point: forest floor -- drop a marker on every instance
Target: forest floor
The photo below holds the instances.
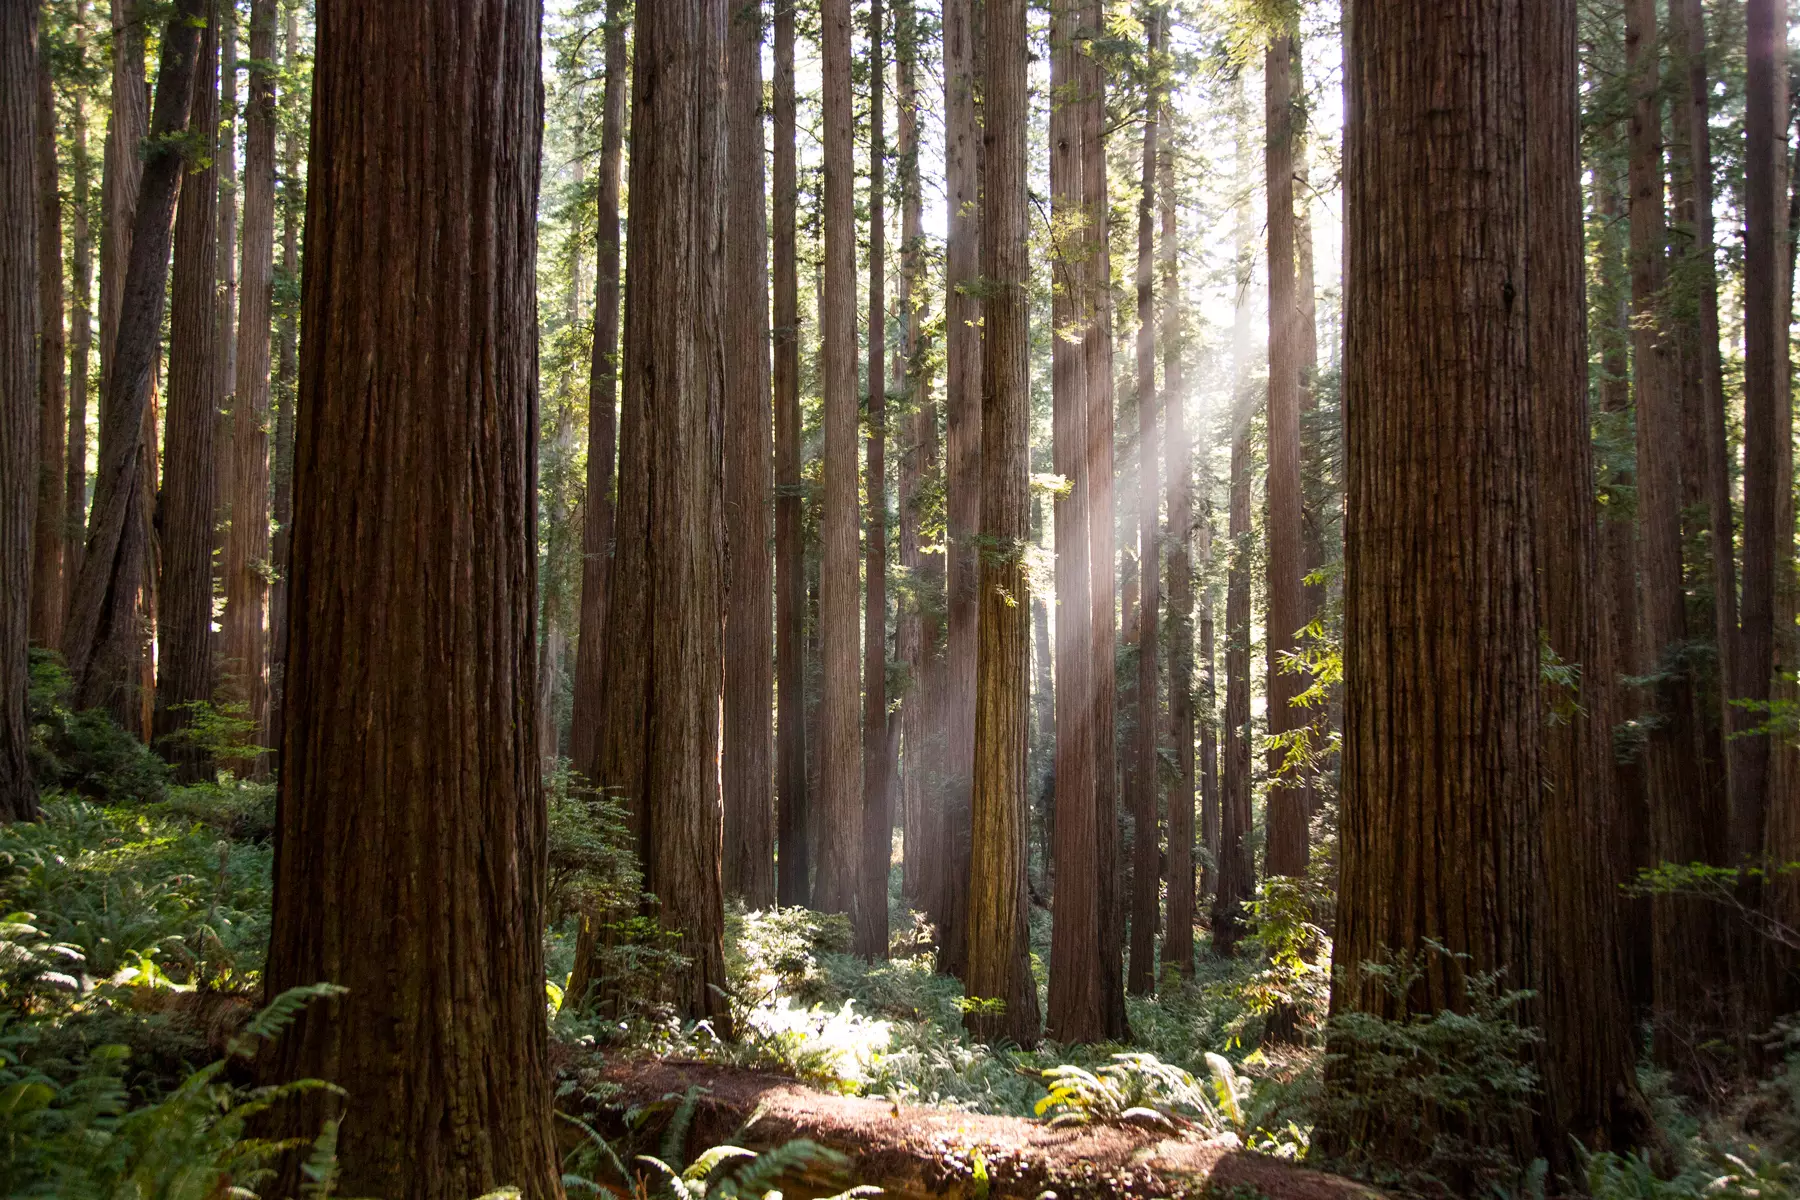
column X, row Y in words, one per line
column 915, row 1151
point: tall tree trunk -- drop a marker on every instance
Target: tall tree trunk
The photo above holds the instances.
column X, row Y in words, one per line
column 1097, row 350
column 794, row 865
column 184, row 657
column 840, row 758
column 1287, row 833
column 660, row 707
column 246, row 647
column 48, row 593
column 226, row 306
column 1178, row 940
column 81, row 323
column 1077, row 1002
column 1688, row 966
column 103, row 639
column 999, row 966
column 1766, row 557
column 603, row 389
column 287, row 382
column 1442, row 720
column 19, row 334
column 962, row 402
column 1237, row 869
column 419, row 403
column 878, row 730
column 1210, row 809
column 1146, row 843
column 1589, row 1061
column 749, row 475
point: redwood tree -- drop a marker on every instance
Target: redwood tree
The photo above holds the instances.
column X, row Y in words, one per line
column 603, row 390
column 749, row 467
column 48, row 598
column 840, row 758
column 184, row 660
column 409, row 860
column 18, row 393
column 659, row 716
column 999, row 966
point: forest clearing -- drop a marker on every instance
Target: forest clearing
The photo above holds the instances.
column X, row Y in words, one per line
column 977, row 598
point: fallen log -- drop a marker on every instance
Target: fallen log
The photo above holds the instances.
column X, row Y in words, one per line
column 913, row 1152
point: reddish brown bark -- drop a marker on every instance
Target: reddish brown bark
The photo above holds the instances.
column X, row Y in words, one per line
column 104, row 636
column 19, row 333
column 245, row 650
column 1146, row 839
column 48, row 592
column 603, row 374
column 840, row 750
column 749, row 467
column 999, row 966
column 419, row 402
column 281, row 457
column 880, row 732
column 794, row 866
column 81, row 323
column 184, row 659
column 659, row 714
column 962, row 405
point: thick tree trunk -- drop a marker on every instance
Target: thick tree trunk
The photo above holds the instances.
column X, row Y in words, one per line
column 999, row 966
column 794, row 864
column 1690, row 966
column 1178, row 940
column 1766, row 557
column 749, row 475
column 48, row 593
column 19, row 333
column 1442, row 720
column 419, row 403
column 664, row 658
column 1146, row 843
column 1097, row 350
column 287, row 382
column 1210, row 809
column 1287, row 833
column 878, row 730
column 1077, row 983
column 1589, row 1060
column 104, row 637
column 226, row 302
column 840, row 752
column 246, row 646
column 962, row 401
column 603, row 374
column 81, row 327
column 184, row 660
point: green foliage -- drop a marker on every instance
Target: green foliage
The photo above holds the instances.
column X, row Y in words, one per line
column 218, row 731
column 85, row 752
column 1450, row 1090
column 1134, row 1088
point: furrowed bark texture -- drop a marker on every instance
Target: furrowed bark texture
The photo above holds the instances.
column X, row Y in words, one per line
column 794, row 864
column 840, row 752
column 999, row 966
column 81, row 331
column 287, row 382
column 424, row 804
column 104, row 637
column 18, row 393
column 1178, row 938
column 1146, row 840
column 1090, row 87
column 603, row 389
column 184, row 660
column 1287, row 834
column 1590, row 1076
column 665, row 613
column 749, row 476
column 1442, row 720
column 878, row 730
column 246, row 646
column 1077, row 997
column 48, row 595
column 962, row 401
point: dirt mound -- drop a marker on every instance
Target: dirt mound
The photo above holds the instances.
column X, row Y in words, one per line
column 916, row 1152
